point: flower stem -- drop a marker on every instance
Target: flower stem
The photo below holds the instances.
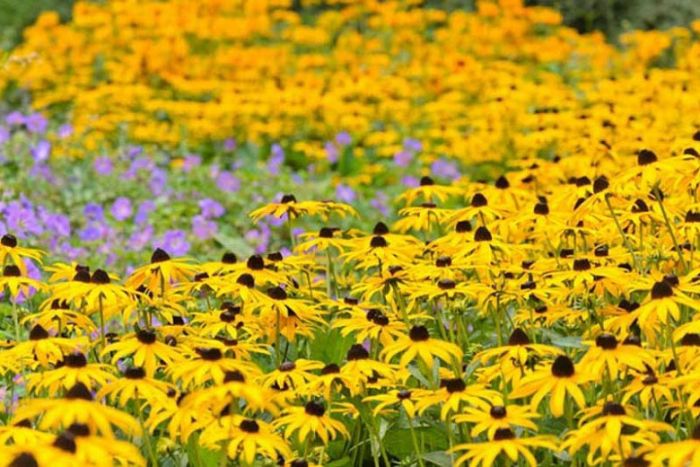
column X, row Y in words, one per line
column 414, row 440
column 625, row 240
column 670, row 229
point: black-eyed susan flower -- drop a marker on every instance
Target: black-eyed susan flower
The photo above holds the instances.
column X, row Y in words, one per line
column 497, row 417
column 313, row 419
column 419, row 344
column 504, row 443
column 145, row 350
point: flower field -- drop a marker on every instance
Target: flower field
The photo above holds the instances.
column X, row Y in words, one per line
column 348, row 233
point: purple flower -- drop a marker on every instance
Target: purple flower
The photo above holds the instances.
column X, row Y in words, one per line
column 175, row 242
column 35, row 123
column 65, row 130
column 403, row 158
column 121, row 209
column 276, row 159
column 412, row 144
column 92, row 232
column 159, row 178
column 211, row 208
column 15, row 118
column 332, row 152
column 21, row 219
column 410, row 181
column 140, row 238
column 41, row 151
column 380, row 203
column 345, row 194
column 343, row 138
column 229, row 144
column 190, row 162
column 145, row 208
column 93, row 211
column 58, row 224
column 228, row 182
column 103, row 165
column 203, row 228
column 4, row 134
column 445, row 169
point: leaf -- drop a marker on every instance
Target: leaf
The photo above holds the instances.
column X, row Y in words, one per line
column 441, row 458
column 236, row 245
column 398, row 441
column 342, row 462
column 330, row 347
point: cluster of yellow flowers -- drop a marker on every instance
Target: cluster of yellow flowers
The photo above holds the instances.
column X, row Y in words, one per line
column 553, row 313
column 474, row 86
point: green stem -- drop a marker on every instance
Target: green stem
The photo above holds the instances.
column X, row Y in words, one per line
column 625, row 240
column 15, row 318
column 414, row 440
column 670, row 229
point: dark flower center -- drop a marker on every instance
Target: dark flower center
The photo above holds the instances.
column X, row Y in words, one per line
column 635, row 461
column 606, row 341
column 249, row 426
column 24, row 459
column 378, row 242
column 288, row 198
column 518, row 337
column 159, row 255
column 79, row 429
column 541, row 209
column 582, row 264
column 660, row 290
column 672, row 280
column 82, row 276
column 211, row 354
column 326, row 232
column 503, row 434
column 419, row 334
column 79, row 391
column 602, row 251
column 277, row 293
column 498, row 411
column 646, row 157
column 357, row 352
column 234, row 376
column 146, row 336
column 446, row 284
column 134, row 373
column 380, row 320
column 227, row 316
column 314, row 408
column 692, row 216
column 640, row 206
column 482, row 234
column 649, row 380
column 426, row 181
column 65, row 442
column 628, row 306
column 613, row 408
column 99, row 277
column 11, row 271
column 246, row 280
column 563, row 367
column 75, row 360
column 696, row 432
column 299, row 463
column 380, row 229
column 38, row 333
column 178, row 321
column 600, row 184
column 330, row 369
column 8, row 240
column 287, row 366
column 691, row 339
column 443, row 262
column 229, row 258
column 455, row 385
column 255, row 263
column 350, row 301
column 502, row 183
column 479, row 200
column 403, row 395
column 463, row 226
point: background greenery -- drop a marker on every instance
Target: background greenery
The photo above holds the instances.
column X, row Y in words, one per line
column 610, row 16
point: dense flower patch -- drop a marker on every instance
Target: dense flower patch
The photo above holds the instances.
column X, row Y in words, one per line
column 355, row 233
column 549, row 315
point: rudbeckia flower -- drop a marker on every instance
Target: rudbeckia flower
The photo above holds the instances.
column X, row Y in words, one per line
column 161, row 273
column 10, row 249
column 311, row 419
column 419, row 344
column 503, row 442
column 77, row 406
column 498, row 417
column 556, row 381
column 145, row 350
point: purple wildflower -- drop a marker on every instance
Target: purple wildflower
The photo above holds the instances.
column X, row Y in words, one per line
column 41, row 151
column 228, row 182
column 403, row 158
column 203, row 228
column 121, row 209
column 345, row 194
column 211, row 208
column 445, row 169
column 175, row 242
column 103, row 165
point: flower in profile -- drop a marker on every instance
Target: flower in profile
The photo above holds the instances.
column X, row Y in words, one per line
column 77, row 406
column 312, row 419
column 556, row 381
column 503, row 442
column 498, row 417
column 245, row 439
column 419, row 344
column 12, row 251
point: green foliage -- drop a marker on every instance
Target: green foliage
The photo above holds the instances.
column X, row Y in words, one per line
column 614, row 17
column 15, row 15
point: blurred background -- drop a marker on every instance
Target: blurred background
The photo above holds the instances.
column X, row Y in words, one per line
column 612, row 17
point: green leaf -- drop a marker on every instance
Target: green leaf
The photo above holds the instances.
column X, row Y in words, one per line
column 331, row 346
column 441, row 458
